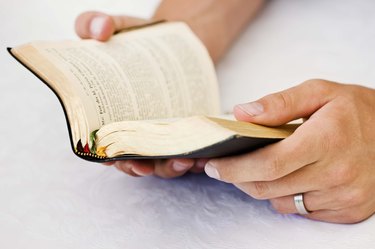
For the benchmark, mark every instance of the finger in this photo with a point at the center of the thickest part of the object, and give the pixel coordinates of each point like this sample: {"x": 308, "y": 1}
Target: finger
{"x": 173, "y": 167}
{"x": 336, "y": 198}
{"x": 305, "y": 146}
{"x": 100, "y": 26}
{"x": 198, "y": 166}
{"x": 280, "y": 108}
{"x": 314, "y": 177}
{"x": 136, "y": 167}
{"x": 109, "y": 163}
{"x": 142, "y": 167}
{"x": 123, "y": 22}
{"x": 123, "y": 166}
{"x": 94, "y": 25}
{"x": 313, "y": 201}
{"x": 348, "y": 216}
{"x": 306, "y": 179}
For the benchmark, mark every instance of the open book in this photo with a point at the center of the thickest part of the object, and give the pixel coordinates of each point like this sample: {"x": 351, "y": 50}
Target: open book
{"x": 149, "y": 92}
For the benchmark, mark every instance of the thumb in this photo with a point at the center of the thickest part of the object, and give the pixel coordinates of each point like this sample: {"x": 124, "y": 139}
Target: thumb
{"x": 100, "y": 26}
{"x": 279, "y": 108}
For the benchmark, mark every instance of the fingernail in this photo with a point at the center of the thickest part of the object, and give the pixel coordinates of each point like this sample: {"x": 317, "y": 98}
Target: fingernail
{"x": 140, "y": 172}
{"x": 211, "y": 171}
{"x": 97, "y": 25}
{"x": 127, "y": 165}
{"x": 123, "y": 166}
{"x": 252, "y": 108}
{"x": 177, "y": 166}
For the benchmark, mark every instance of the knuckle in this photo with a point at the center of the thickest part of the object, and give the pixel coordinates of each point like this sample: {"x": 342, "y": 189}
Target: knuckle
{"x": 259, "y": 190}
{"x": 318, "y": 84}
{"x": 348, "y": 98}
{"x": 232, "y": 169}
{"x": 320, "y": 88}
{"x": 361, "y": 196}
{"x": 328, "y": 142}
{"x": 333, "y": 134}
{"x": 354, "y": 197}
{"x": 274, "y": 169}
{"x": 341, "y": 175}
{"x": 284, "y": 99}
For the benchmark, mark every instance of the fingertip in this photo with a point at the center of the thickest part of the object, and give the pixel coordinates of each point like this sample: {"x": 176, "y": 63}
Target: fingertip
{"x": 240, "y": 114}
{"x": 143, "y": 169}
{"x": 94, "y": 25}
{"x": 125, "y": 167}
{"x": 101, "y": 28}
{"x": 211, "y": 170}
{"x": 82, "y": 24}
{"x": 248, "y": 111}
{"x": 182, "y": 165}
{"x": 172, "y": 167}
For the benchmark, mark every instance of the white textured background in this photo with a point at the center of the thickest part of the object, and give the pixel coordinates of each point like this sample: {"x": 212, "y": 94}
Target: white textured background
{"x": 51, "y": 199}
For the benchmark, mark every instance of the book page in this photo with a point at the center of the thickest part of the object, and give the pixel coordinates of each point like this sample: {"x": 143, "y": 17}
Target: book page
{"x": 159, "y": 137}
{"x": 165, "y": 137}
{"x": 160, "y": 71}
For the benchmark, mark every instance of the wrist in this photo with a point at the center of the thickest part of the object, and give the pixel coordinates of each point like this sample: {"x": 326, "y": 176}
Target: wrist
{"x": 191, "y": 12}
{"x": 216, "y": 23}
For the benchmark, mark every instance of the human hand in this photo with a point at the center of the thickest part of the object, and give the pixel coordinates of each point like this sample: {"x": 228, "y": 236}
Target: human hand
{"x": 208, "y": 19}
{"x": 100, "y": 26}
{"x": 330, "y": 157}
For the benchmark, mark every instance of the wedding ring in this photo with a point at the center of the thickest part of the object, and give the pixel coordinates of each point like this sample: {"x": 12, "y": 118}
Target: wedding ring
{"x": 300, "y": 205}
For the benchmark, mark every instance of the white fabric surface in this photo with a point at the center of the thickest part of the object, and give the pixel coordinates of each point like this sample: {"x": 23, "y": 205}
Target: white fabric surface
{"x": 51, "y": 199}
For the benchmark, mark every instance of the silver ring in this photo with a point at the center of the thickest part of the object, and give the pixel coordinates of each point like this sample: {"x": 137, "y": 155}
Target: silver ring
{"x": 300, "y": 205}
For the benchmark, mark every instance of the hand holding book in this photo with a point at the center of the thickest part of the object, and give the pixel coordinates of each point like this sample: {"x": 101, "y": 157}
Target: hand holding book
{"x": 114, "y": 93}
{"x": 100, "y": 26}
{"x": 204, "y": 20}
{"x": 329, "y": 158}
{"x": 148, "y": 93}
